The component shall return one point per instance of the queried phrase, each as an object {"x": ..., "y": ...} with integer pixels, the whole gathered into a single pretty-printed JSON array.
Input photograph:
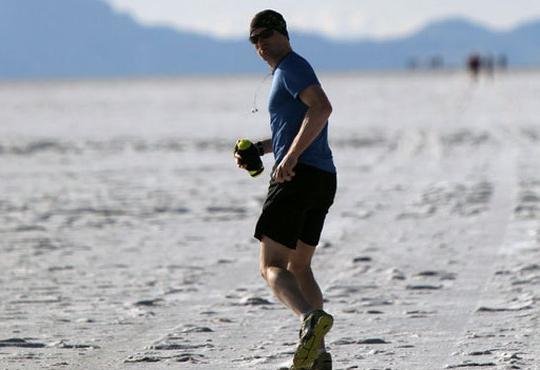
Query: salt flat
[{"x": 125, "y": 227}]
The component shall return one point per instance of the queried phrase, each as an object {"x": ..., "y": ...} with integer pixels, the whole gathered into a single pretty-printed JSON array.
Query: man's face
[{"x": 267, "y": 42}]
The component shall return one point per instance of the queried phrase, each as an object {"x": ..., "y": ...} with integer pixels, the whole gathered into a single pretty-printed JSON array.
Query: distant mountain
[
  {"x": 87, "y": 38},
  {"x": 450, "y": 41},
  {"x": 62, "y": 38}
]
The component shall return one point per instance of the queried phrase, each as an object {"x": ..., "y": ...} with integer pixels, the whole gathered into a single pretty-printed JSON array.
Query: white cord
[{"x": 254, "y": 108}]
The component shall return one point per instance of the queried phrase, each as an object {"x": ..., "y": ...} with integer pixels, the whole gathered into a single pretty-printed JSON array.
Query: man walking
[{"x": 302, "y": 186}]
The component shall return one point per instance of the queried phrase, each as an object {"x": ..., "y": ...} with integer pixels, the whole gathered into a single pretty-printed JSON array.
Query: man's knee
[
  {"x": 299, "y": 269},
  {"x": 273, "y": 256},
  {"x": 268, "y": 266},
  {"x": 270, "y": 269}
]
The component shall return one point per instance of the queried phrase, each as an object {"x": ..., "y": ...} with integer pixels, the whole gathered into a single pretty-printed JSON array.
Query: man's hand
[
  {"x": 239, "y": 160},
  {"x": 285, "y": 170},
  {"x": 263, "y": 146}
]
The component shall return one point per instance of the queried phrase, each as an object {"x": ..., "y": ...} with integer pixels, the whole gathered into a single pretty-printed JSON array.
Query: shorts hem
[
  {"x": 309, "y": 242},
  {"x": 259, "y": 236}
]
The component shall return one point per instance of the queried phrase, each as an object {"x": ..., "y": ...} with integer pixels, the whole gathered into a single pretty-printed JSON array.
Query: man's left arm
[{"x": 319, "y": 109}]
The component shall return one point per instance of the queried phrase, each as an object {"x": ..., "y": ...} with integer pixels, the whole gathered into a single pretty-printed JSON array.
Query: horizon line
[{"x": 335, "y": 38}]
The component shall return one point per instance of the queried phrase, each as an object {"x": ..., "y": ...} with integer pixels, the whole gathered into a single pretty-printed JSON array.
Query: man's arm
[
  {"x": 319, "y": 109},
  {"x": 267, "y": 146}
]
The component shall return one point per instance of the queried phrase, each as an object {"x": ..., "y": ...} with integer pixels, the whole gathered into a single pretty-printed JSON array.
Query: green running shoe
[
  {"x": 315, "y": 326},
  {"x": 323, "y": 362}
]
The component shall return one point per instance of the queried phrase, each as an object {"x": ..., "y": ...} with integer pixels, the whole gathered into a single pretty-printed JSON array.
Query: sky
[{"x": 339, "y": 19}]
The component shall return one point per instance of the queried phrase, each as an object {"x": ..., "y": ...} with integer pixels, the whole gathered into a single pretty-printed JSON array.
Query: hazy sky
[{"x": 334, "y": 18}]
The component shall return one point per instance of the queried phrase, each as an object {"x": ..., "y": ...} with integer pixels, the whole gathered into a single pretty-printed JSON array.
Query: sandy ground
[{"x": 430, "y": 258}]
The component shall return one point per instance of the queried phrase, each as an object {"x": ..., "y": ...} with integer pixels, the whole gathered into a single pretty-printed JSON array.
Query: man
[{"x": 302, "y": 186}]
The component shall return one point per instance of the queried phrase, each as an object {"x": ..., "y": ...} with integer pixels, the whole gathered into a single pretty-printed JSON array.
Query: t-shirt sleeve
[{"x": 298, "y": 76}]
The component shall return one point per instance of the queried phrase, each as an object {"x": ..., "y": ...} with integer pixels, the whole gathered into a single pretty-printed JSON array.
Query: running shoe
[
  {"x": 323, "y": 362},
  {"x": 315, "y": 326}
]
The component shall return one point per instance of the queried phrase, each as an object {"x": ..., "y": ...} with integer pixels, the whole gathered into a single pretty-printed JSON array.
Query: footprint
[
  {"x": 362, "y": 259},
  {"x": 442, "y": 275},
  {"x": 21, "y": 343},
  {"x": 149, "y": 302},
  {"x": 372, "y": 341},
  {"x": 423, "y": 287},
  {"x": 255, "y": 301},
  {"x": 65, "y": 345},
  {"x": 197, "y": 329},
  {"x": 471, "y": 364}
]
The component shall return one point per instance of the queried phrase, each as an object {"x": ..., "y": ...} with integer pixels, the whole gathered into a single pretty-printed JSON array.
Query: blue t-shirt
[{"x": 292, "y": 75}]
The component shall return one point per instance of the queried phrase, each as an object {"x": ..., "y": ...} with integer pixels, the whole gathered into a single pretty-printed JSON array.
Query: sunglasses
[{"x": 261, "y": 35}]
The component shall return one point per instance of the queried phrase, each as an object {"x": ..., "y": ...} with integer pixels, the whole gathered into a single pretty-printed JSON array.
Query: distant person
[
  {"x": 488, "y": 64},
  {"x": 302, "y": 186},
  {"x": 436, "y": 62},
  {"x": 502, "y": 62},
  {"x": 412, "y": 64},
  {"x": 474, "y": 63}
]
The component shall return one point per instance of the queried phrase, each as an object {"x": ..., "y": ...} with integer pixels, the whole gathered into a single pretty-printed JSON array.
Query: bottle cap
[{"x": 243, "y": 144}]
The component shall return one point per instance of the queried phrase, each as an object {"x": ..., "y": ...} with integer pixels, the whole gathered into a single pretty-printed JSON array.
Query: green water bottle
[{"x": 250, "y": 156}]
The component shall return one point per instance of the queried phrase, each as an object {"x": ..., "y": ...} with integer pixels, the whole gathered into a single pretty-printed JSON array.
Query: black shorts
[{"x": 295, "y": 210}]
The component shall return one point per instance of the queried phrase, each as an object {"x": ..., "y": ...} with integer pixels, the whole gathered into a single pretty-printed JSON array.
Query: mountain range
[{"x": 88, "y": 38}]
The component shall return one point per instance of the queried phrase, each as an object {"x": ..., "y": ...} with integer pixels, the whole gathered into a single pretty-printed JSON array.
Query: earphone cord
[{"x": 254, "y": 108}]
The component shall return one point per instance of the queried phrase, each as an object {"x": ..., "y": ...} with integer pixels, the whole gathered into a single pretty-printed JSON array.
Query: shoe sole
[
  {"x": 307, "y": 351},
  {"x": 323, "y": 363}
]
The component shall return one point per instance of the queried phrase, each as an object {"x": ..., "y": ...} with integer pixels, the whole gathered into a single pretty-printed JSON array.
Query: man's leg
[
  {"x": 300, "y": 265},
  {"x": 273, "y": 261}
]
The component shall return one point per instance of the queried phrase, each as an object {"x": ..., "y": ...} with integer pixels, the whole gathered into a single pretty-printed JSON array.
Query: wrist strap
[{"x": 260, "y": 148}]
